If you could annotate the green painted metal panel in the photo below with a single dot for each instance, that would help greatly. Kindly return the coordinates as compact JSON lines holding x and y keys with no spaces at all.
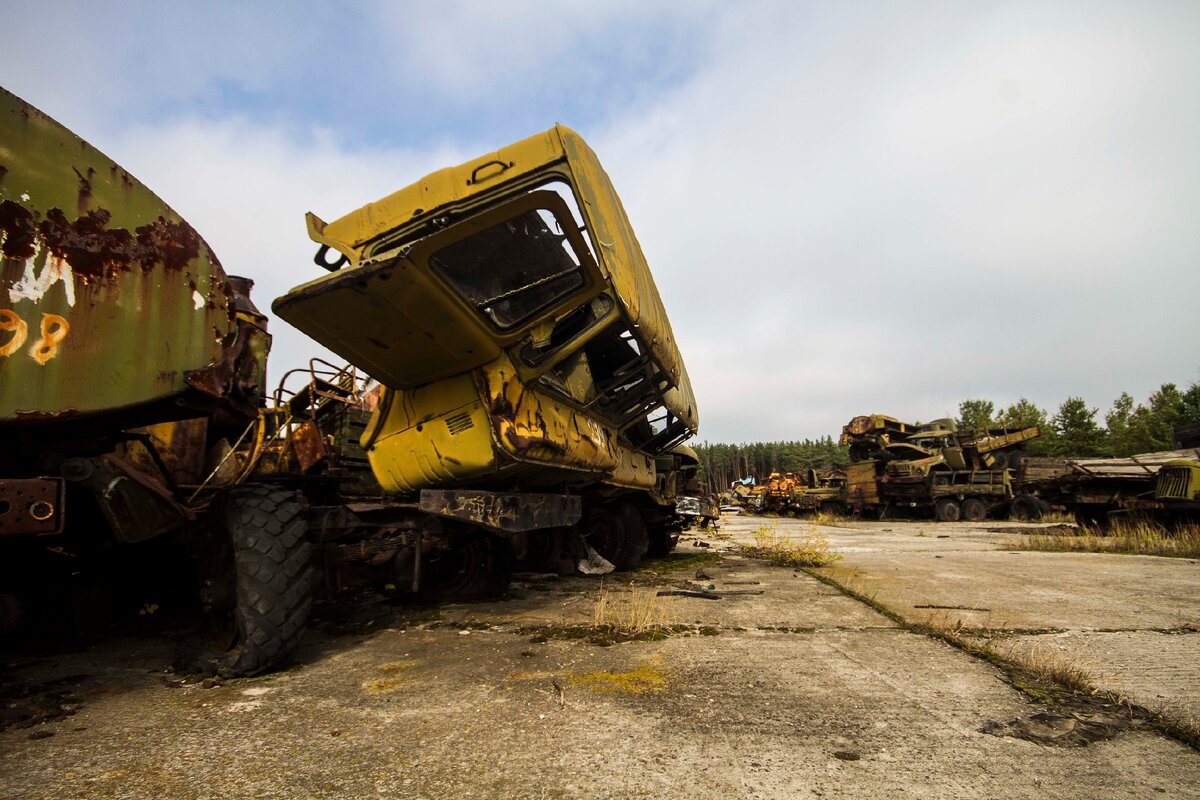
{"x":108,"y":299}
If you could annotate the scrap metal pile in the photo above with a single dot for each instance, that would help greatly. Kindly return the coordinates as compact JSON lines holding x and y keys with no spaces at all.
{"x":933,"y":469}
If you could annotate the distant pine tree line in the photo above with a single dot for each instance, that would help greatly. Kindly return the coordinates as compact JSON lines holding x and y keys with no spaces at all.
{"x":722,"y":464}
{"x":1074,"y":430}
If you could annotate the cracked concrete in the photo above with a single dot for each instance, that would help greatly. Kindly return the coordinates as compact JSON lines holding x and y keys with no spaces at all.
{"x":1133,"y":622}
{"x":802,"y":693}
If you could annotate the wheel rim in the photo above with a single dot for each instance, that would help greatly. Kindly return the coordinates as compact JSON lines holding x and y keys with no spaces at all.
{"x":457,"y":569}
{"x":606,"y":535}
{"x":948,"y":511}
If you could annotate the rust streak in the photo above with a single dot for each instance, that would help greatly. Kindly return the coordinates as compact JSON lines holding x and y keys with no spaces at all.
{"x":19,"y":230}
{"x":92,"y":248}
{"x":85,"y":190}
{"x":523,"y":444}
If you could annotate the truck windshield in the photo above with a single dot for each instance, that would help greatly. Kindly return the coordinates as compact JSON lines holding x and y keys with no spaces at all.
{"x":513,"y":269}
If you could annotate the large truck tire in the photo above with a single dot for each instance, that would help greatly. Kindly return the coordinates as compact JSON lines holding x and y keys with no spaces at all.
{"x":604,"y":532}
{"x":474,"y":566}
{"x":947,"y":510}
{"x":1025,"y":508}
{"x":974,"y":509}
{"x":267,"y":593}
{"x":617,"y":532}
{"x":662,"y":543}
{"x":637,"y":539}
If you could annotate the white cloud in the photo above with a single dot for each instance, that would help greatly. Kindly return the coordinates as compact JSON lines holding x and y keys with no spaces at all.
{"x":98,"y":68}
{"x":849,"y":208}
{"x":246,"y":189}
{"x":996,"y":205}
{"x":474,"y":53}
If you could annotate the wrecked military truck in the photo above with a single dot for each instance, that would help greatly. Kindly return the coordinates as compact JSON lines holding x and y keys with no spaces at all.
{"x":1161,"y":487}
{"x":877,"y":436}
{"x":525,"y":404}
{"x":932,"y":468}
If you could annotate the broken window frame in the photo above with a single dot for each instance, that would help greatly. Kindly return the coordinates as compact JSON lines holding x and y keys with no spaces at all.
{"x":569,"y":235}
{"x":628,"y":392}
{"x":636,"y":404}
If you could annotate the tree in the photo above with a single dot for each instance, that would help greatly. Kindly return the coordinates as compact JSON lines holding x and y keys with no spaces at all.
{"x":1190,"y":409}
{"x":1151,"y":426}
{"x":721,"y":464}
{"x":1024,"y":414}
{"x":1119,"y":423}
{"x":975,"y":414}
{"x":1075,"y":429}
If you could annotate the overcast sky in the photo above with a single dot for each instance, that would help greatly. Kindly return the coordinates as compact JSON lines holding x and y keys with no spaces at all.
{"x":848,"y":207}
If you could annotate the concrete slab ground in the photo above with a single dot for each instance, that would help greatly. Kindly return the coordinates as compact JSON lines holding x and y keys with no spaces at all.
{"x":794,"y":692}
{"x":1132,"y":622}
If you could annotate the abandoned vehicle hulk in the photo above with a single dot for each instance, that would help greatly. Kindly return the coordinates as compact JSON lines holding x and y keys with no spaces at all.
{"x":932,"y":468}
{"x":533,"y":394}
{"x":525,"y":403}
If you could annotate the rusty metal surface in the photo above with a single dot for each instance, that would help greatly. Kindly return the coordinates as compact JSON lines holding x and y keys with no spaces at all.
{"x":31,"y":506}
{"x":137,"y":506}
{"x":108,"y":299}
{"x":308,"y":445}
{"x":506,"y":513}
{"x":995,"y":439}
{"x":862,"y":483}
{"x":534,"y":426}
{"x":180,"y":446}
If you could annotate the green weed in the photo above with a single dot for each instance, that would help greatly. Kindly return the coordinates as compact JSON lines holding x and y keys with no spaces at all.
{"x":810,"y":551}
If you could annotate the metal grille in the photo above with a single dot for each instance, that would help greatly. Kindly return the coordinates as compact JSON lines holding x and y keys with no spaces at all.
{"x":1173,"y":483}
{"x":459,"y":422}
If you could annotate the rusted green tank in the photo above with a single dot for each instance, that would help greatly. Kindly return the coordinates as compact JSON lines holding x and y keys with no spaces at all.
{"x":127,"y":355}
{"x":112,"y":308}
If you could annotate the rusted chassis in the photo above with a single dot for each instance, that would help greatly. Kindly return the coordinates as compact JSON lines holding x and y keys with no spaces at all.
{"x":466,"y":543}
{"x":1099,"y":502}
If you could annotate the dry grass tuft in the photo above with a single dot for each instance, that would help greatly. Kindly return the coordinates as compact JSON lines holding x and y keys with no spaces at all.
{"x":832,"y":518}
{"x":1183,"y":717}
{"x":1140,"y":537}
{"x":809,"y":551}
{"x":1063,"y":668}
{"x":635,"y":612}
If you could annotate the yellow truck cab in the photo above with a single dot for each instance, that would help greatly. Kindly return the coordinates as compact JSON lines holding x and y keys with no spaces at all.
{"x":507,"y":309}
